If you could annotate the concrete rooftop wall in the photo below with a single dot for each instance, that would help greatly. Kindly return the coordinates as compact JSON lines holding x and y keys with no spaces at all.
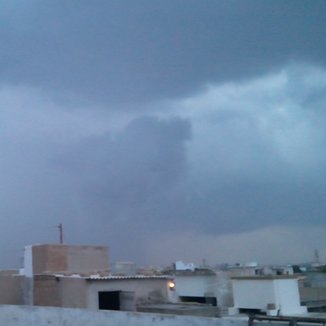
{"x":59,"y":292}
{"x":262,"y":292}
{"x":63,"y":258}
{"x":81,"y":259}
{"x":11,"y":289}
{"x":145,"y":290}
{"x":41,"y":316}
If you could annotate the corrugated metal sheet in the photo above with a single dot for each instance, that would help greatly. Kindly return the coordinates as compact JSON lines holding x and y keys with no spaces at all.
{"x":96,"y":277}
{"x":134,"y":277}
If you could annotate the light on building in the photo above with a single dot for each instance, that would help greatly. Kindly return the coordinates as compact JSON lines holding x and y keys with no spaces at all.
{"x":171,"y":285}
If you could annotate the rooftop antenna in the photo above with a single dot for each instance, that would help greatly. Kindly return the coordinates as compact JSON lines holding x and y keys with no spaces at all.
{"x":317,"y":260}
{"x":60,"y":227}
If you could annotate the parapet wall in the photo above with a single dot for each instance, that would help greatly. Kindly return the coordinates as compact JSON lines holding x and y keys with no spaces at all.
{"x":45,"y":316}
{"x":46,"y":258}
{"x":11,"y":289}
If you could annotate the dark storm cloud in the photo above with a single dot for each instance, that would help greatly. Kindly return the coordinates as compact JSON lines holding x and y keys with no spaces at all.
{"x":249,"y":164}
{"x":59,"y":167}
{"x":262,"y":157}
{"x":235,"y":161}
{"x":128,"y":184}
{"x":138,"y":122}
{"x":127,"y":51}
{"x":134,"y":177}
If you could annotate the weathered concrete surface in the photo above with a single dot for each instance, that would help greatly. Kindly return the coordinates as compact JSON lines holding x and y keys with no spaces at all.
{"x":46,"y":316}
{"x":145,"y":290}
{"x":59,"y":292}
{"x":11,"y":289}
{"x":46,"y":258}
{"x":181,"y":309}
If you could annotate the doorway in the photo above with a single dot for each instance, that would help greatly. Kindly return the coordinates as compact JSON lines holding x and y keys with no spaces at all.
{"x":109,"y":300}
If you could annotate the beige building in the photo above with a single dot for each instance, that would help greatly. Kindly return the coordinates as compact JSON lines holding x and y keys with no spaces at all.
{"x":78,"y":277}
{"x":82,"y":260}
{"x":96,"y":292}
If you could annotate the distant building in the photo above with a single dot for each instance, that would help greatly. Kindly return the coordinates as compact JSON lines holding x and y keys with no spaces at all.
{"x":124,"y":268}
{"x":181,"y":266}
{"x":253,"y":269}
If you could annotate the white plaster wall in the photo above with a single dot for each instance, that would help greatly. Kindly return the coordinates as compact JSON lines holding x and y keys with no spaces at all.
{"x":28,"y":262}
{"x":196,"y":285}
{"x":218,"y":286}
{"x":258,"y":293}
{"x":27,"y":271}
{"x":253,"y":294}
{"x":45,"y":316}
{"x":288,"y":297}
{"x":223,"y":290}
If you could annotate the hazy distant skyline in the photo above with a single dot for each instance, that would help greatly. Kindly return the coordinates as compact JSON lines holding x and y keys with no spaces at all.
{"x":167,"y":130}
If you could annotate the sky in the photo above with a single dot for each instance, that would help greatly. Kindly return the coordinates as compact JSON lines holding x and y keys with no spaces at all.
{"x":167,"y":130}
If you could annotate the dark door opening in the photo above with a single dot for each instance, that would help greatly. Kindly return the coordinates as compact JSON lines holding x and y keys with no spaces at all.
{"x":109,"y":300}
{"x":207,"y":300}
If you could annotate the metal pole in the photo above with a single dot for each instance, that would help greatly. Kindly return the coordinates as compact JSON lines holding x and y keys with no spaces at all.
{"x":60,"y":227}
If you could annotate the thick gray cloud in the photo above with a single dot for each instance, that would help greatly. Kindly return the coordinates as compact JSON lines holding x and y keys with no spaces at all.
{"x":125,"y":177}
{"x":107,"y":188}
{"x":141,"y":125}
{"x":123,"y":52}
{"x":263,"y":145}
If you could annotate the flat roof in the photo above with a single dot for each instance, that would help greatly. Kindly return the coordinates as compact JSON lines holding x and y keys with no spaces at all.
{"x":267,"y":277}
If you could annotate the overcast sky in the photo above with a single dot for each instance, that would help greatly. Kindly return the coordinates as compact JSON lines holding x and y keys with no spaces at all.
{"x":167,"y":130}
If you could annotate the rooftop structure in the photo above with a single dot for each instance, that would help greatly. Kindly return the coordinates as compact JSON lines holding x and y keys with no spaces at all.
{"x":275,"y":295}
{"x":50,"y":258}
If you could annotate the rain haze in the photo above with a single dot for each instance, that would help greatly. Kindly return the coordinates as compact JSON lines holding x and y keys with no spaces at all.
{"x":167,"y":130}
